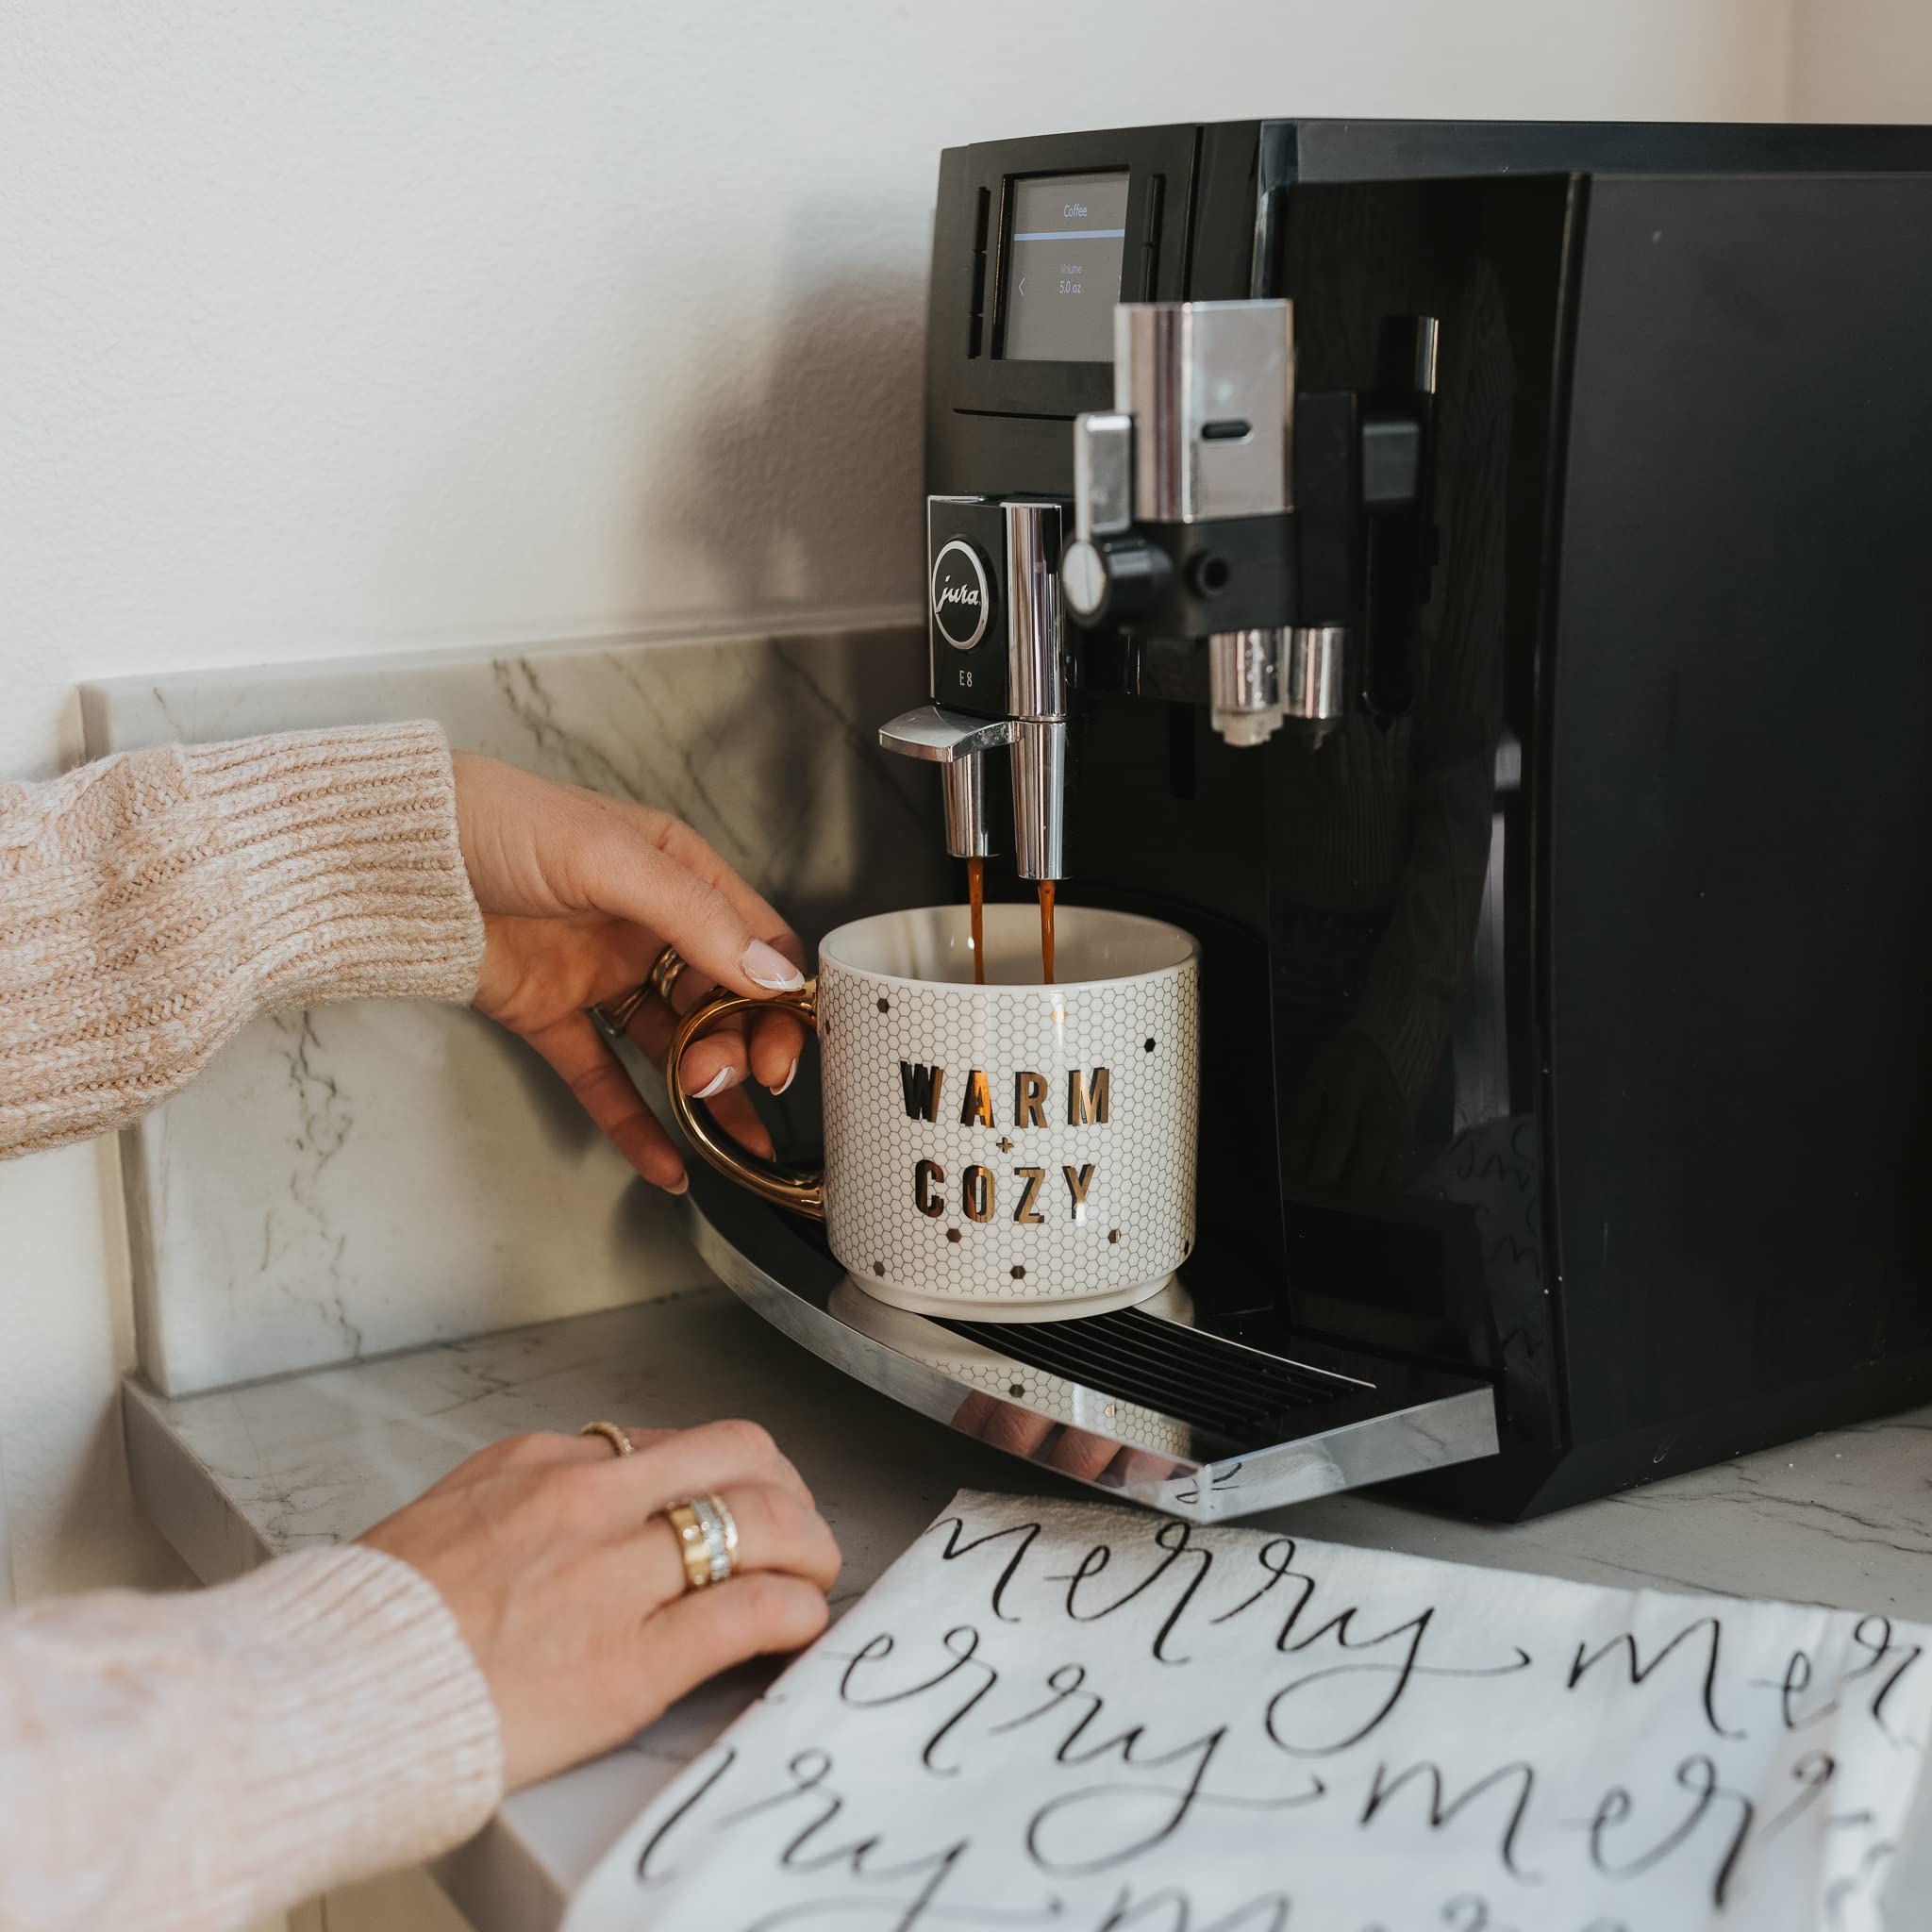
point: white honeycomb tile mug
(1005, 1152)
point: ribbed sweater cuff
(362, 1732)
(342, 846)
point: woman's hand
(579, 893)
(568, 1584)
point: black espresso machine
(1478, 579)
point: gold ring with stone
(619, 1439)
(706, 1539)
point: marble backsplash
(357, 1179)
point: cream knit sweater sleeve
(151, 903)
(204, 1759)
(194, 1763)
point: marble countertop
(237, 1474)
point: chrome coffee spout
(1023, 688)
(957, 744)
(1037, 690)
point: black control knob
(1112, 580)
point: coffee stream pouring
(987, 594)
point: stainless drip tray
(1220, 1391)
(1139, 1402)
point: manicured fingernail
(723, 1077)
(768, 967)
(792, 1074)
(683, 1185)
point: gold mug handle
(801, 1190)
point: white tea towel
(1090, 1718)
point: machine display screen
(1067, 234)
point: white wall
(364, 326)
(1861, 61)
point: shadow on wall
(804, 486)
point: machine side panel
(1742, 802)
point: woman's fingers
(650, 1030)
(734, 1451)
(777, 1529)
(776, 1043)
(759, 1613)
(717, 1062)
(1078, 1454)
(594, 1448)
(602, 1498)
(970, 1415)
(776, 1038)
(714, 1455)
(635, 866)
(768, 1043)
(1073, 1452)
(1017, 1431)
(768, 1047)
(594, 1074)
(1141, 1467)
(680, 842)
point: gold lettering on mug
(1024, 1213)
(979, 1107)
(1085, 1104)
(922, 1086)
(1029, 1100)
(1078, 1181)
(977, 1193)
(928, 1204)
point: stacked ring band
(661, 979)
(666, 970)
(706, 1539)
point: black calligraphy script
(1097, 1719)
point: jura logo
(961, 594)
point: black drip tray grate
(1215, 1386)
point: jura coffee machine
(1478, 580)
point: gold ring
(615, 1019)
(706, 1539)
(666, 971)
(666, 968)
(619, 1439)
